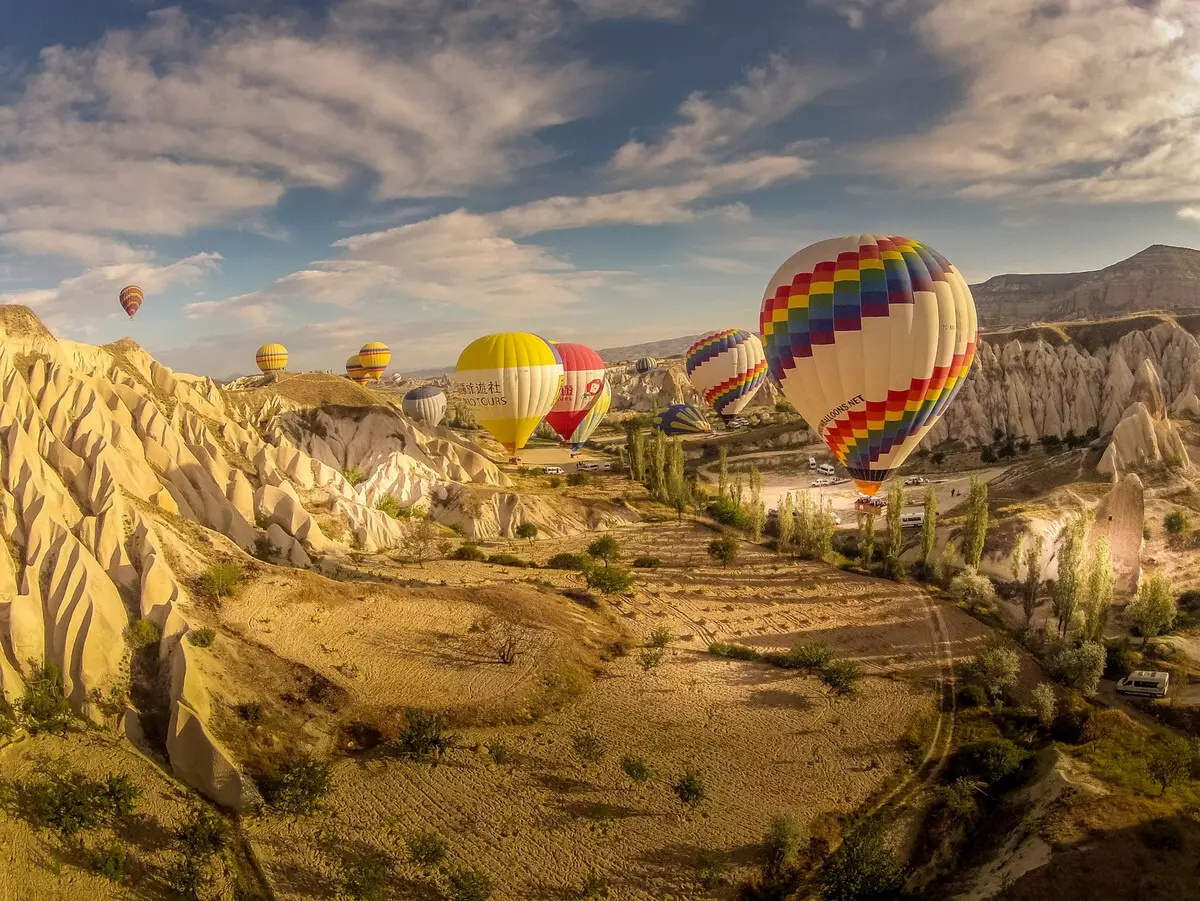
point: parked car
(812, 462)
(1146, 683)
(915, 480)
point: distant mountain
(1158, 278)
(668, 347)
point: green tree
(895, 532)
(804, 524)
(1069, 584)
(658, 467)
(866, 536)
(605, 548)
(722, 471)
(1033, 577)
(975, 532)
(678, 490)
(1177, 522)
(786, 523)
(863, 869)
(1018, 548)
(723, 550)
(996, 668)
(608, 579)
(974, 589)
(527, 531)
(1153, 609)
(823, 529)
(1099, 594)
(757, 514)
(929, 528)
(1170, 762)
(635, 444)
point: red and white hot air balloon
(583, 383)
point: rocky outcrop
(642, 392)
(1145, 436)
(1119, 518)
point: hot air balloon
(354, 370)
(870, 337)
(682, 419)
(271, 358)
(374, 357)
(509, 380)
(425, 403)
(594, 416)
(645, 364)
(131, 298)
(583, 382)
(727, 368)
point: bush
(296, 786)
(251, 712)
(711, 867)
(608, 579)
(605, 548)
(781, 846)
(726, 511)
(527, 531)
(589, 746)
(427, 849)
(506, 559)
(497, 751)
(389, 505)
(69, 803)
(555, 482)
(841, 677)
(202, 638)
(1153, 610)
(141, 634)
(959, 799)
(220, 580)
(575, 562)
(1044, 703)
(469, 550)
(647, 563)
(651, 658)
(973, 695)
(1119, 660)
(44, 707)
(1177, 522)
(594, 887)
(364, 878)
(635, 768)
(811, 657)
(734, 651)
(1081, 667)
(723, 550)
(203, 834)
(577, 479)
(353, 475)
(108, 862)
(863, 869)
(424, 736)
(996, 669)
(973, 589)
(470, 885)
(689, 788)
(660, 637)
(991, 760)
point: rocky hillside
(122, 483)
(641, 392)
(1157, 278)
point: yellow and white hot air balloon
(870, 337)
(509, 380)
(271, 358)
(374, 357)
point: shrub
(734, 651)
(527, 531)
(991, 760)
(711, 867)
(1044, 703)
(1081, 667)
(576, 562)
(203, 834)
(69, 803)
(469, 550)
(1177, 522)
(973, 589)
(689, 788)
(651, 658)
(723, 550)
(726, 511)
(959, 798)
(424, 736)
(141, 634)
(588, 745)
(389, 505)
(364, 877)
(635, 768)
(470, 885)
(1119, 660)
(973, 695)
(605, 548)
(812, 656)
(353, 475)
(863, 869)
(427, 849)
(781, 846)
(297, 785)
(220, 580)
(577, 479)
(841, 677)
(506, 559)
(1170, 762)
(497, 751)
(251, 712)
(660, 637)
(44, 707)
(608, 579)
(996, 669)
(202, 638)
(109, 862)
(594, 887)
(555, 482)
(647, 563)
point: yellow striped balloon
(374, 357)
(509, 380)
(271, 358)
(131, 298)
(354, 370)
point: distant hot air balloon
(131, 298)
(727, 368)
(425, 403)
(509, 380)
(594, 416)
(583, 382)
(271, 358)
(374, 357)
(682, 419)
(354, 370)
(645, 364)
(870, 337)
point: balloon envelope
(583, 382)
(727, 367)
(354, 369)
(870, 337)
(645, 364)
(271, 358)
(509, 380)
(682, 419)
(425, 403)
(374, 357)
(594, 416)
(131, 298)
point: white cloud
(249, 308)
(1189, 213)
(635, 9)
(1086, 100)
(91, 249)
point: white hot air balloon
(727, 367)
(425, 403)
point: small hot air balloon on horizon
(509, 380)
(727, 368)
(425, 404)
(271, 358)
(592, 419)
(354, 370)
(131, 298)
(682, 419)
(374, 357)
(583, 383)
(870, 337)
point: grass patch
(220, 580)
(202, 638)
(141, 634)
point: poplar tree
(894, 510)
(866, 536)
(975, 532)
(929, 528)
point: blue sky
(608, 171)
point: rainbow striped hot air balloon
(271, 358)
(595, 415)
(727, 368)
(682, 419)
(870, 337)
(354, 370)
(509, 380)
(583, 382)
(131, 298)
(374, 356)
(425, 403)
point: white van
(553, 471)
(910, 520)
(1145, 683)
(587, 467)
(812, 462)
(825, 469)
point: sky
(423, 172)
